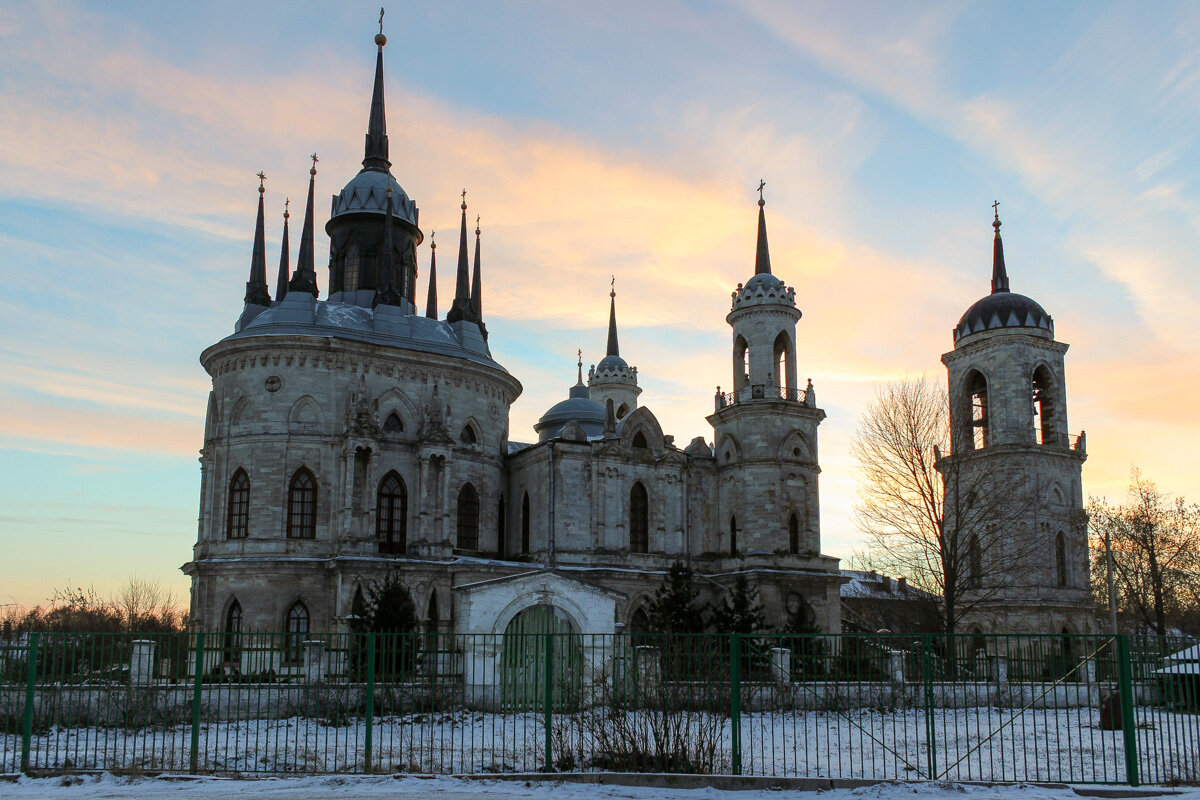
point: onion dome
(578, 407)
(1002, 308)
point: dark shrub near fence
(1003, 708)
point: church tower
(613, 379)
(1014, 501)
(766, 428)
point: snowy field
(327, 788)
(978, 744)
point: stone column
(141, 662)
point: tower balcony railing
(1065, 440)
(760, 391)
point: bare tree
(145, 606)
(950, 532)
(1156, 552)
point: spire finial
(431, 297)
(762, 255)
(462, 308)
(612, 287)
(999, 272)
(305, 277)
(313, 169)
(257, 293)
(375, 151)
(380, 39)
(464, 199)
(579, 365)
(761, 185)
(477, 285)
(286, 203)
(613, 348)
(262, 180)
(433, 240)
(285, 267)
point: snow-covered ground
(988, 744)
(329, 788)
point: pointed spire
(257, 293)
(304, 279)
(387, 294)
(285, 267)
(762, 256)
(613, 349)
(579, 364)
(375, 153)
(461, 309)
(999, 273)
(431, 300)
(477, 281)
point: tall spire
(999, 273)
(431, 300)
(613, 349)
(281, 282)
(305, 277)
(477, 281)
(461, 309)
(257, 293)
(387, 294)
(375, 153)
(762, 256)
(579, 365)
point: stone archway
(540, 643)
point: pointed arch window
(393, 423)
(468, 435)
(302, 505)
(785, 366)
(1044, 428)
(1060, 557)
(391, 515)
(525, 523)
(733, 550)
(639, 519)
(639, 441)
(350, 269)
(237, 519)
(741, 362)
(231, 647)
(793, 534)
(297, 632)
(977, 398)
(468, 518)
(623, 411)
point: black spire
(462, 307)
(387, 294)
(477, 281)
(762, 256)
(999, 273)
(431, 300)
(613, 350)
(281, 282)
(375, 153)
(305, 277)
(257, 293)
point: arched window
(733, 536)
(977, 396)
(297, 632)
(525, 523)
(741, 363)
(974, 563)
(793, 534)
(639, 441)
(358, 610)
(393, 423)
(391, 515)
(639, 519)
(785, 366)
(501, 530)
(1044, 428)
(468, 518)
(237, 520)
(468, 435)
(302, 505)
(1060, 558)
(231, 650)
(350, 269)
(622, 411)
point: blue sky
(594, 139)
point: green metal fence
(1080, 709)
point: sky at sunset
(594, 140)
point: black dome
(1003, 310)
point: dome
(1003, 310)
(579, 407)
(367, 193)
(763, 279)
(612, 363)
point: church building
(359, 436)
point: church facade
(359, 436)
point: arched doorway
(539, 642)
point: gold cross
(761, 184)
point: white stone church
(357, 436)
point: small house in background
(872, 602)
(1181, 678)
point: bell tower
(1013, 499)
(766, 427)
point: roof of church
(578, 407)
(1002, 308)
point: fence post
(548, 700)
(30, 684)
(735, 701)
(197, 685)
(927, 675)
(369, 690)
(1125, 687)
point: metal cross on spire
(286, 202)
(381, 12)
(464, 198)
(761, 185)
(612, 287)
(433, 240)
(314, 158)
(996, 208)
(262, 179)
